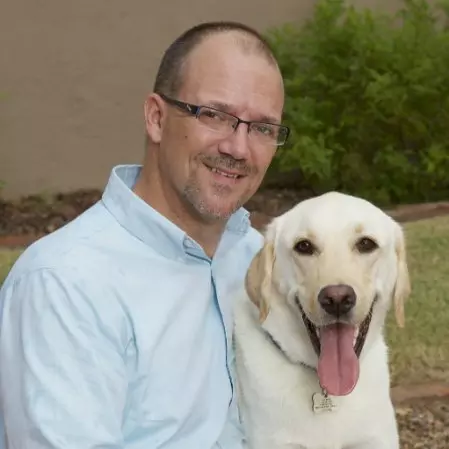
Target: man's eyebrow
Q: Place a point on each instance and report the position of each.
(225, 107)
(269, 119)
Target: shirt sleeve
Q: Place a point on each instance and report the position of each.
(63, 376)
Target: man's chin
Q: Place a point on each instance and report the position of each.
(217, 209)
(215, 202)
(216, 213)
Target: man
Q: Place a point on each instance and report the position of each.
(116, 330)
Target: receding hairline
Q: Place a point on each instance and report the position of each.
(171, 73)
(246, 43)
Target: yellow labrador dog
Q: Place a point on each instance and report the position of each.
(311, 357)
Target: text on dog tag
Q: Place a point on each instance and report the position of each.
(323, 403)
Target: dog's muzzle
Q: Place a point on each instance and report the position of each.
(338, 345)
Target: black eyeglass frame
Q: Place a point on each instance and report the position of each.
(194, 110)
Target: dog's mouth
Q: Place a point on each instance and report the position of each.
(338, 347)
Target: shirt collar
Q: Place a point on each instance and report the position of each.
(148, 225)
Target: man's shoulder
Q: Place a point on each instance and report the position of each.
(254, 240)
(73, 245)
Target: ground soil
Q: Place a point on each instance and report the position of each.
(422, 411)
(21, 221)
(424, 424)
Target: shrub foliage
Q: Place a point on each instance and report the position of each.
(367, 99)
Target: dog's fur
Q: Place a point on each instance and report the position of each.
(275, 360)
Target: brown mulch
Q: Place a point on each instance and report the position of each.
(36, 214)
(422, 412)
(22, 221)
(424, 424)
(270, 203)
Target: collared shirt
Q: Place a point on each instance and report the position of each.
(116, 332)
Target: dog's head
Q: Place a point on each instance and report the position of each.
(326, 275)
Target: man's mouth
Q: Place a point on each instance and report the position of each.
(224, 173)
(338, 347)
(230, 172)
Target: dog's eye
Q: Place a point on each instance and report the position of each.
(366, 245)
(305, 247)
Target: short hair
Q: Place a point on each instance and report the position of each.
(170, 74)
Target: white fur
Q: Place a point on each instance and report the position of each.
(275, 391)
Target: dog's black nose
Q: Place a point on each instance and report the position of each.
(337, 300)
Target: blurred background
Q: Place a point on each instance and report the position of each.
(74, 75)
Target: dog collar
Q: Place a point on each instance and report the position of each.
(280, 349)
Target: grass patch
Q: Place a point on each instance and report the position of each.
(420, 351)
(7, 258)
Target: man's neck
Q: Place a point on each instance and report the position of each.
(205, 233)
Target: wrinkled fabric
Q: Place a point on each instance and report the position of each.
(116, 332)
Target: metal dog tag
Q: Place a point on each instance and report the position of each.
(322, 402)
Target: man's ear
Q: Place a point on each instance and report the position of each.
(402, 288)
(154, 117)
(258, 281)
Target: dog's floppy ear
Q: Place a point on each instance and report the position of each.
(402, 288)
(258, 281)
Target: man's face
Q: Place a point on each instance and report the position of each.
(212, 173)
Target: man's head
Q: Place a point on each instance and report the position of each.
(204, 162)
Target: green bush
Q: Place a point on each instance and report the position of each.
(367, 101)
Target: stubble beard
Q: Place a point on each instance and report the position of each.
(205, 208)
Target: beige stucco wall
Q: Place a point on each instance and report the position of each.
(73, 77)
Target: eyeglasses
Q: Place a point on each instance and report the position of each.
(265, 134)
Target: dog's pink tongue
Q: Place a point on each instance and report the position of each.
(338, 367)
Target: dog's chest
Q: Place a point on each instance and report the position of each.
(294, 414)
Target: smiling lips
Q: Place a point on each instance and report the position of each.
(225, 173)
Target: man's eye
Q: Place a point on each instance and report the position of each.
(214, 115)
(266, 130)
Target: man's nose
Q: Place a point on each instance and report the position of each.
(237, 144)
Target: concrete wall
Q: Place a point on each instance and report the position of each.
(74, 75)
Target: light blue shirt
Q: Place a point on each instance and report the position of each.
(116, 332)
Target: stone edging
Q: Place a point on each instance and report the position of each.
(403, 394)
(17, 241)
(414, 212)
